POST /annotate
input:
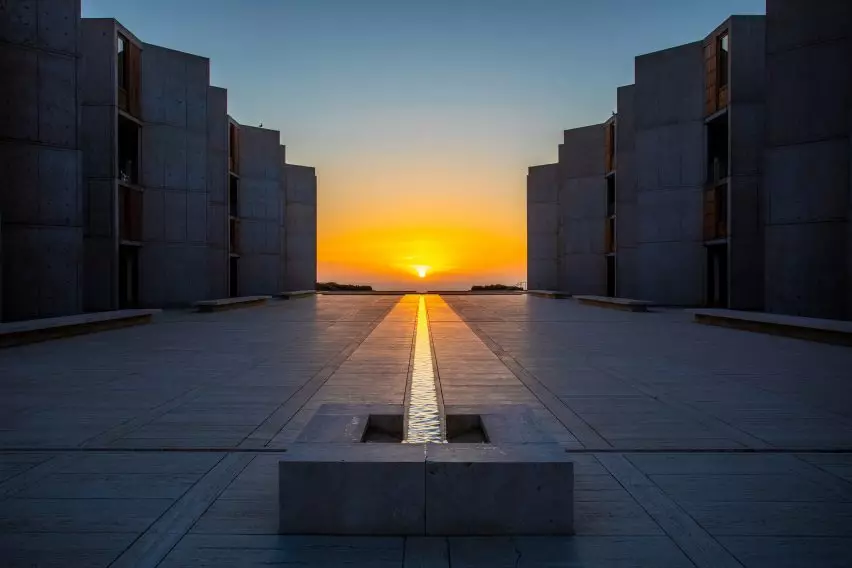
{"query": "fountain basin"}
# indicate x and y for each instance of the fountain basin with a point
(426, 489)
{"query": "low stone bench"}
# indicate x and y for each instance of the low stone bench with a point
(223, 304)
(549, 294)
(295, 294)
(32, 331)
(625, 304)
(426, 489)
(823, 330)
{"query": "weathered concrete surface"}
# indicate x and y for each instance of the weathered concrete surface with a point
(542, 228)
(99, 107)
(217, 192)
(746, 124)
(669, 121)
(627, 278)
(261, 209)
(41, 200)
(807, 158)
(174, 174)
(616, 381)
(300, 228)
(582, 210)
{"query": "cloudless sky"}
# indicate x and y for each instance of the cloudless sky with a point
(421, 117)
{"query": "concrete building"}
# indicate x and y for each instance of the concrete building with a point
(670, 211)
(621, 181)
(669, 130)
(583, 222)
(41, 201)
(543, 227)
(300, 227)
(734, 83)
(260, 259)
(808, 232)
(125, 183)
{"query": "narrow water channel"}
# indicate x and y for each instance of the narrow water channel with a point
(423, 413)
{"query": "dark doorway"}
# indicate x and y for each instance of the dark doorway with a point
(234, 277)
(610, 276)
(128, 277)
(717, 276)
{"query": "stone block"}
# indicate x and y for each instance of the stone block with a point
(153, 214)
(196, 162)
(57, 101)
(57, 25)
(196, 217)
(97, 133)
(19, 172)
(59, 197)
(18, 24)
(542, 184)
(476, 489)
(174, 215)
(99, 207)
(670, 86)
(807, 182)
(19, 96)
(582, 152)
(361, 489)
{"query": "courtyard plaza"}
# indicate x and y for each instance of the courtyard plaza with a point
(693, 445)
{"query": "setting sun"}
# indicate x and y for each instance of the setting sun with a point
(421, 271)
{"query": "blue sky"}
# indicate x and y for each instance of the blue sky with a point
(369, 91)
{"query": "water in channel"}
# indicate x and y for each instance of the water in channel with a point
(424, 414)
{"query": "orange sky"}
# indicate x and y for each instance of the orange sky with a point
(465, 225)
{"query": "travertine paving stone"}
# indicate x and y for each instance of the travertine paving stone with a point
(721, 447)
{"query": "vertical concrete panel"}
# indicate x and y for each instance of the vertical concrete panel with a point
(176, 264)
(542, 228)
(217, 208)
(19, 111)
(669, 107)
(97, 141)
(300, 237)
(261, 260)
(625, 195)
(582, 207)
(806, 176)
(57, 101)
(40, 162)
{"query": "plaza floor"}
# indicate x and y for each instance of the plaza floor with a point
(693, 445)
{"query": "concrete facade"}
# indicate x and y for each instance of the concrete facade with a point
(174, 145)
(543, 227)
(168, 216)
(582, 210)
(627, 285)
(217, 192)
(41, 203)
(746, 109)
(99, 114)
(300, 227)
(261, 210)
(807, 168)
(669, 122)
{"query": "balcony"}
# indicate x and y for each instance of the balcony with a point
(609, 236)
(716, 211)
(130, 214)
(234, 236)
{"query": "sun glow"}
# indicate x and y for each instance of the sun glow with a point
(421, 270)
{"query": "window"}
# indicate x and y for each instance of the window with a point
(128, 151)
(722, 63)
(610, 196)
(122, 72)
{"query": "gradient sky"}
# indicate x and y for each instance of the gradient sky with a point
(421, 117)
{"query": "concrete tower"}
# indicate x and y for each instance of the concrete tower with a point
(41, 202)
